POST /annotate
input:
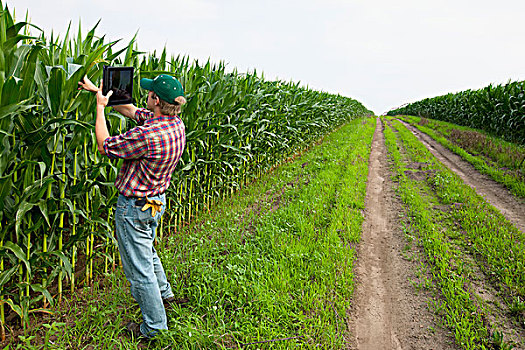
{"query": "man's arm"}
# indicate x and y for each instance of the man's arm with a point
(101, 129)
(126, 110)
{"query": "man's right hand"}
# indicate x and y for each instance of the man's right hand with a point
(88, 85)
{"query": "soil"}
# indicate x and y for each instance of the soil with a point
(388, 311)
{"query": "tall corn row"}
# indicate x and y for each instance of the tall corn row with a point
(56, 192)
(499, 110)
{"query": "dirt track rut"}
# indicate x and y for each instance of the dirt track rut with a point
(388, 312)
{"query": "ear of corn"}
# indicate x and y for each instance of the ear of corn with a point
(56, 193)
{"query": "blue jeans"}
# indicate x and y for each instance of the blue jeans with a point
(136, 230)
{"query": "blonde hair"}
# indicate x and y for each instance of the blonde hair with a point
(170, 108)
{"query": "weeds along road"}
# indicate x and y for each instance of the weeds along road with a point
(496, 194)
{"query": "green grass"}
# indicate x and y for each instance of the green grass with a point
(273, 264)
(501, 160)
(460, 233)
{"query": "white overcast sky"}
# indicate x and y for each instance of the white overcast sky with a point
(384, 53)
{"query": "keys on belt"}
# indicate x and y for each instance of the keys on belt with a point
(146, 203)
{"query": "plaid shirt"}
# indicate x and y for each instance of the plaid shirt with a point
(150, 152)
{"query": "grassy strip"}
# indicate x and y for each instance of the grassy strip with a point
(501, 160)
(282, 266)
(272, 265)
(450, 219)
(484, 229)
(459, 310)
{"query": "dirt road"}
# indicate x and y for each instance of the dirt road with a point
(388, 312)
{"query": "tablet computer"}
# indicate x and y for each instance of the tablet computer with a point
(120, 81)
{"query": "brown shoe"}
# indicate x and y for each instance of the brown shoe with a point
(134, 330)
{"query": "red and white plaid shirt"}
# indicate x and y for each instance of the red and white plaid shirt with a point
(150, 152)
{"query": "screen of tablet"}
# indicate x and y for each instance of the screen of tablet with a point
(120, 81)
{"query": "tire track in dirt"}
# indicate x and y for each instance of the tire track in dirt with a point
(494, 193)
(387, 311)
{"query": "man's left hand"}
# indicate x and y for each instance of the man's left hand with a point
(101, 99)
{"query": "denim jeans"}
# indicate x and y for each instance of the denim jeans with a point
(136, 230)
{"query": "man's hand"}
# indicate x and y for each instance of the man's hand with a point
(87, 85)
(101, 99)
(126, 110)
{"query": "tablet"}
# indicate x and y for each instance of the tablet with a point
(120, 81)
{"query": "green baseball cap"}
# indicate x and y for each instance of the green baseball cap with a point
(168, 88)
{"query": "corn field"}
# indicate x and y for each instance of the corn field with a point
(499, 110)
(56, 191)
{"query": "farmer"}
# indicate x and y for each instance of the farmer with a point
(150, 152)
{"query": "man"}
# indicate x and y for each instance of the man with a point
(150, 152)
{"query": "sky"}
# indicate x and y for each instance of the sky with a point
(383, 53)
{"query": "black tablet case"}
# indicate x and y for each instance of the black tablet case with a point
(120, 81)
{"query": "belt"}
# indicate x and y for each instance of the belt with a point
(139, 201)
(142, 200)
